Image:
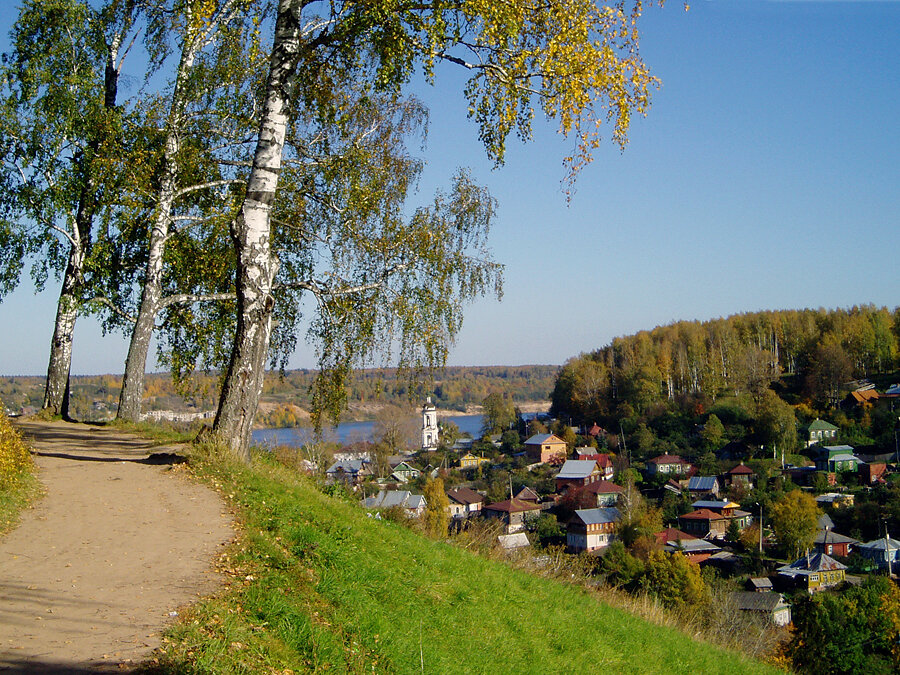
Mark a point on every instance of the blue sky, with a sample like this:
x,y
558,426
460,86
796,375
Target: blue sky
x,y
766,176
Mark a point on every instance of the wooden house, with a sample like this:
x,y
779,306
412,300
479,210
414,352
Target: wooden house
x,y
592,529
514,513
767,604
814,572
545,447
819,431
576,473
832,543
668,464
464,502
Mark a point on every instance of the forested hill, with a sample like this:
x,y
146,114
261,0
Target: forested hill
x,y
808,356
453,388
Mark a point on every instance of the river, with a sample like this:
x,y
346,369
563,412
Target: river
x,y
349,432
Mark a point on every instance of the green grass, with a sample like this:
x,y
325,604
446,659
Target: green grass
x,y
160,433
316,585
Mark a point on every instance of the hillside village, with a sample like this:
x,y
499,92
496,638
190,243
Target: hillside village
x,y
772,531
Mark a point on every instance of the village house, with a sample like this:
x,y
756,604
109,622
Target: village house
x,y
694,549
837,459
545,448
759,584
884,552
514,513
806,475
699,486
734,450
414,505
470,461
404,472
814,572
350,471
712,518
607,493
602,458
577,473
819,431
704,523
667,464
527,494
596,431
591,529
861,398
766,604
835,499
832,543
464,502
513,542
740,475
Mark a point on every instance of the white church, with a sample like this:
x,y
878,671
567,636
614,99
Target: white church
x,y
430,431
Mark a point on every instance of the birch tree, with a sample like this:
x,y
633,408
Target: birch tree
x,y
60,122
208,107
576,61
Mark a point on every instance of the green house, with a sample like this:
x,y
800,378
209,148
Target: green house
x,y
820,431
837,458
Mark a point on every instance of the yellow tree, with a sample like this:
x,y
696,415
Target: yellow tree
x,y
575,60
794,519
437,505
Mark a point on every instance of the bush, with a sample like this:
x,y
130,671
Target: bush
x,y
15,459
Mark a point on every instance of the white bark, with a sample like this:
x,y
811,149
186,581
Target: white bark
x,y
256,262
136,363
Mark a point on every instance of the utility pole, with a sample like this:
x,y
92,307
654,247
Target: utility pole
x,y
759,504
887,550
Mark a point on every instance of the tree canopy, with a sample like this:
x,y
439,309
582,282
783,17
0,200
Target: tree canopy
x,y
794,519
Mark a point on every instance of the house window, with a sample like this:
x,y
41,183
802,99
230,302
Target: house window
x,y
814,577
828,551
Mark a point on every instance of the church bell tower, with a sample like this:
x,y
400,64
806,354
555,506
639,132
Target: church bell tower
x,y
429,426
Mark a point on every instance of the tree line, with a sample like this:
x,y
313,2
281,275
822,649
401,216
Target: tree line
x,y
272,165
452,388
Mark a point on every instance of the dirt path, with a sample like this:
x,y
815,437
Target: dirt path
x,y
94,571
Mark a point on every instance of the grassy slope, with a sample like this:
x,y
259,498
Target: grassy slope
x,y
317,585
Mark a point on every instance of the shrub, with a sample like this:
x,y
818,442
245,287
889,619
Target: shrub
x,y
14,455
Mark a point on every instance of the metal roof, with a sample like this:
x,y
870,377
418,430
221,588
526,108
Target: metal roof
x,y
692,546
540,439
387,499
714,504
828,537
577,468
879,544
818,562
758,602
706,483
598,516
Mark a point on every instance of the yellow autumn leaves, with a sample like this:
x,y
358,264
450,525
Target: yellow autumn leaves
x,y
14,455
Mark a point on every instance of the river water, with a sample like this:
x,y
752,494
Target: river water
x,y
350,432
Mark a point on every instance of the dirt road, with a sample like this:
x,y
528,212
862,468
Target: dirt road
x,y
100,564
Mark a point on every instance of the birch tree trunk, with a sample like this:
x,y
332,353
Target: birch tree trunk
x,y
132,393
56,392
256,262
